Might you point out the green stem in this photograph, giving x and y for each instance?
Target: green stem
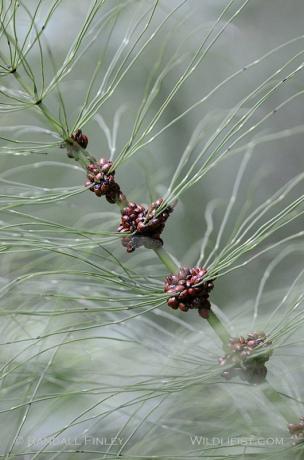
(57, 126)
(54, 123)
(122, 202)
(80, 155)
(167, 260)
(218, 328)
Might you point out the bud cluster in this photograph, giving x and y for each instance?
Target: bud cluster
(246, 361)
(144, 224)
(297, 431)
(101, 181)
(80, 138)
(188, 290)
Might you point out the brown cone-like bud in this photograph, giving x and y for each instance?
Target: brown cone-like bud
(101, 181)
(145, 225)
(188, 290)
(246, 360)
(80, 139)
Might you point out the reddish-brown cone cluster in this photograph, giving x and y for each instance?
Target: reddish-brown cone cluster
(101, 181)
(297, 431)
(144, 224)
(188, 290)
(247, 357)
(80, 139)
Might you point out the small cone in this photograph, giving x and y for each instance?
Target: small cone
(80, 139)
(244, 361)
(101, 181)
(189, 291)
(145, 225)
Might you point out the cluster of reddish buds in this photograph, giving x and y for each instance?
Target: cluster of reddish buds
(297, 431)
(101, 181)
(145, 225)
(247, 362)
(188, 290)
(80, 139)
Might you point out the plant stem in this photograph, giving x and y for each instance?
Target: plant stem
(219, 328)
(81, 155)
(53, 122)
(167, 260)
(122, 202)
